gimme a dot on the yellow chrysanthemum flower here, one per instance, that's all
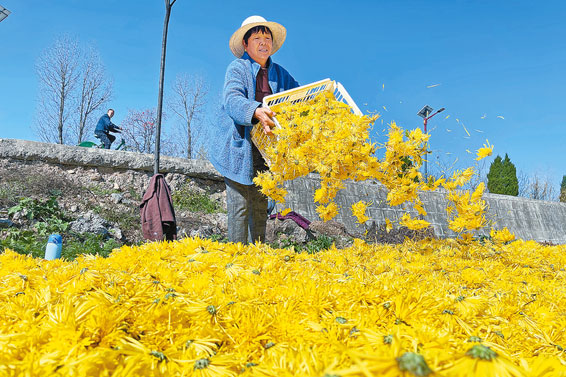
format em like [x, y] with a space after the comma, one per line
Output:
[502, 236]
[484, 152]
[327, 212]
[411, 223]
[197, 307]
[359, 211]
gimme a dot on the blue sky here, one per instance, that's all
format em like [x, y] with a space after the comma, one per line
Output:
[498, 67]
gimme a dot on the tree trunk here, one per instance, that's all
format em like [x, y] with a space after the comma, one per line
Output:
[61, 112]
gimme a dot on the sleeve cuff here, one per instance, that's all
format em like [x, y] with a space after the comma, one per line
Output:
[251, 112]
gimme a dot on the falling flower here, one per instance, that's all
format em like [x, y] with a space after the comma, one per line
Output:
[465, 129]
[323, 135]
[359, 211]
[327, 212]
[485, 151]
[411, 223]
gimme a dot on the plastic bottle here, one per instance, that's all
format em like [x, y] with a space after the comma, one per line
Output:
[54, 246]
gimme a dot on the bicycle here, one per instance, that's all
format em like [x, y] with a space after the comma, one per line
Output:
[91, 144]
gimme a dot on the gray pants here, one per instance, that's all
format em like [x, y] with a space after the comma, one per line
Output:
[247, 208]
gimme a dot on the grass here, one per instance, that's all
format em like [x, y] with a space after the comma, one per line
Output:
[312, 247]
[126, 220]
[101, 191]
[218, 238]
[134, 194]
[187, 198]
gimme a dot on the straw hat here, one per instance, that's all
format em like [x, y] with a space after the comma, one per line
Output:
[278, 31]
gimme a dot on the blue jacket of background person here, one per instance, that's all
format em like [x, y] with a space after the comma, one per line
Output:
[104, 124]
[231, 149]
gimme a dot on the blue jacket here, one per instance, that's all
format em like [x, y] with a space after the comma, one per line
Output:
[104, 124]
[231, 149]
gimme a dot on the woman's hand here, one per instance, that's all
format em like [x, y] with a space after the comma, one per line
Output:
[264, 115]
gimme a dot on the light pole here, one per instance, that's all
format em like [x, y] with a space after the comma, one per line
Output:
[3, 13]
[168, 5]
[425, 114]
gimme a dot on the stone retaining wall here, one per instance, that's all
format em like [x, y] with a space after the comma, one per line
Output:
[104, 158]
[528, 219]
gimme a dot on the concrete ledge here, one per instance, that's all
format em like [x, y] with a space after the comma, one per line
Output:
[79, 156]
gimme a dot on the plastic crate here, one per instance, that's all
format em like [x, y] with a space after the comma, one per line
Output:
[300, 94]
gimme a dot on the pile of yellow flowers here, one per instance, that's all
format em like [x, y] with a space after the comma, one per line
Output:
[323, 135]
[201, 308]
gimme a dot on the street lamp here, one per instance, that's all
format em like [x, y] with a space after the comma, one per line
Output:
[3, 13]
[425, 114]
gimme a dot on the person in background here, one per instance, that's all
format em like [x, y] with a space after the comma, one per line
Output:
[249, 78]
[104, 127]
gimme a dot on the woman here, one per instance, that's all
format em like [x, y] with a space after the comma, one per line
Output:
[249, 78]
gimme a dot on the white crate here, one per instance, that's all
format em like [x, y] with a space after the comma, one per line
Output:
[302, 93]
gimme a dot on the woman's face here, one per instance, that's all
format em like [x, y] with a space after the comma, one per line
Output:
[259, 47]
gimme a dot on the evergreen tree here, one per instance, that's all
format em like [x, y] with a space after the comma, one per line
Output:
[502, 177]
[494, 174]
[563, 190]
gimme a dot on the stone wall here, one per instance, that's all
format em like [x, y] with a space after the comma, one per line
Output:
[106, 182]
[528, 219]
[103, 158]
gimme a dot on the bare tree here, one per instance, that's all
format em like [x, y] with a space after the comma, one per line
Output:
[139, 130]
[73, 85]
[187, 102]
[203, 131]
[541, 188]
[524, 184]
[96, 90]
[536, 186]
[57, 69]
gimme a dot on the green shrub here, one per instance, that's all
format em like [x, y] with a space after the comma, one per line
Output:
[34, 209]
[88, 244]
[47, 218]
[320, 243]
[24, 242]
[31, 243]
